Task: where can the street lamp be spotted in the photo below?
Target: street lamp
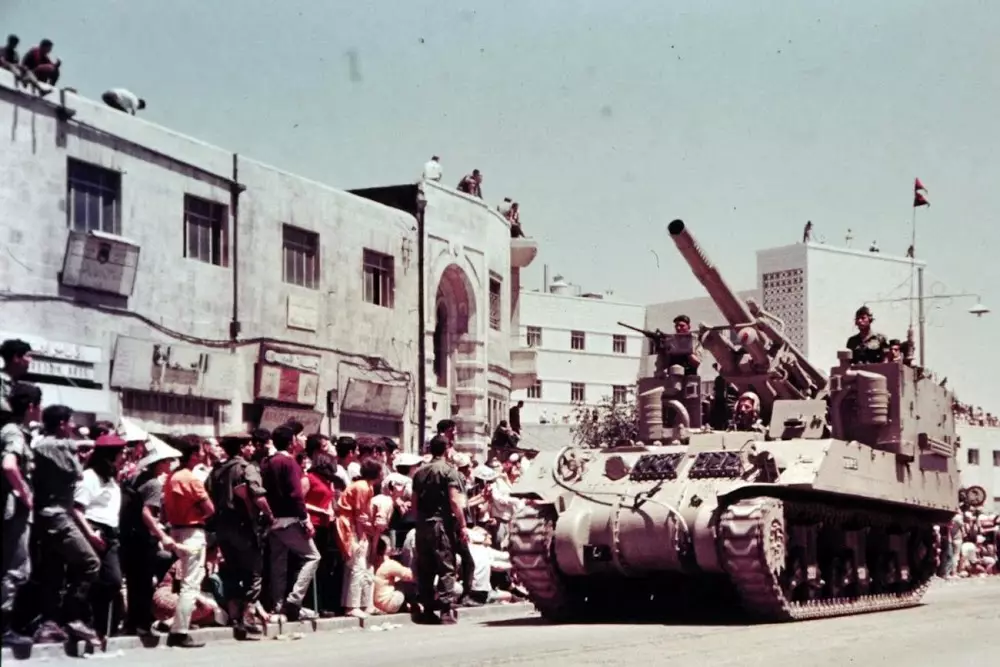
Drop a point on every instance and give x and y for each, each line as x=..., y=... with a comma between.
x=978, y=309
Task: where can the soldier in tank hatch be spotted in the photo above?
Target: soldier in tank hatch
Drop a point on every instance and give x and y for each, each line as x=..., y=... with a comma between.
x=867, y=346
x=690, y=362
x=746, y=416
x=895, y=351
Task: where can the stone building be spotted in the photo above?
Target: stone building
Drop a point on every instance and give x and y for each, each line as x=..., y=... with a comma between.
x=196, y=290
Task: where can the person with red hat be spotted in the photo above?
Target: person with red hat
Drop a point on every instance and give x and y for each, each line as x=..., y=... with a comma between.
x=97, y=503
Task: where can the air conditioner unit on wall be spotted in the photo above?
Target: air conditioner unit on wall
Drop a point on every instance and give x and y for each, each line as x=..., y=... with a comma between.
x=100, y=262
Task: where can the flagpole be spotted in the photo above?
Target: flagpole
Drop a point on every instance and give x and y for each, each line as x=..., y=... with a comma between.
x=913, y=259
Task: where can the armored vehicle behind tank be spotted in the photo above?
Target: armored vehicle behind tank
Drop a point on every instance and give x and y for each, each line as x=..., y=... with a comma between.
x=825, y=508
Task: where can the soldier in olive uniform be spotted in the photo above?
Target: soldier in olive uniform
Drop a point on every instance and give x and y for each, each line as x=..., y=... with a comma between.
x=866, y=346
x=690, y=362
x=440, y=505
x=24, y=401
x=16, y=355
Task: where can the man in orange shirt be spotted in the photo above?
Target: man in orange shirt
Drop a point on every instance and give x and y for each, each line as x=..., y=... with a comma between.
x=187, y=508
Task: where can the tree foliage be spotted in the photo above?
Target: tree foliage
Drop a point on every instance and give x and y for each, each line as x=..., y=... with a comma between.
x=606, y=424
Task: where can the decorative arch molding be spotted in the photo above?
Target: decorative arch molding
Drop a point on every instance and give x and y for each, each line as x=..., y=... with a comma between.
x=456, y=317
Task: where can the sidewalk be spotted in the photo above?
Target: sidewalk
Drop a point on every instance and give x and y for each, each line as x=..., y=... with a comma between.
x=274, y=631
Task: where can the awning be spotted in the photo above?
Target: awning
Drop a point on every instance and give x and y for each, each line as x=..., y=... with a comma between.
x=274, y=416
x=91, y=401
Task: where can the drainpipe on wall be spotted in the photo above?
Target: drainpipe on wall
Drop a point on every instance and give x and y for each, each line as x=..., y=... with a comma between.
x=235, y=190
x=421, y=320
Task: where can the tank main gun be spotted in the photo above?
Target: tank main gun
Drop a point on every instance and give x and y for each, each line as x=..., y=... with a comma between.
x=764, y=361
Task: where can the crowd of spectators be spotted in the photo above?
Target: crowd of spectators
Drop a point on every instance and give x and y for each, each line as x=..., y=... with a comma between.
x=968, y=545
x=110, y=530
x=974, y=415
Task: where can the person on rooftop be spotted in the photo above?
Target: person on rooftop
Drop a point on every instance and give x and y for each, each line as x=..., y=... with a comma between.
x=472, y=184
x=8, y=55
x=432, y=169
x=39, y=66
x=123, y=100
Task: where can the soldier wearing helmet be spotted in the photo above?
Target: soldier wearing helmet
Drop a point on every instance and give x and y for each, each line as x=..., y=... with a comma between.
x=746, y=417
x=867, y=346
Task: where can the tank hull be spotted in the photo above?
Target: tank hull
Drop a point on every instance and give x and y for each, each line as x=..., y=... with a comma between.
x=809, y=543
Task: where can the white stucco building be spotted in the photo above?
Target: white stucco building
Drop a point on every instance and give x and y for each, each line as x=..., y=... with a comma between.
x=583, y=355
x=979, y=461
x=196, y=290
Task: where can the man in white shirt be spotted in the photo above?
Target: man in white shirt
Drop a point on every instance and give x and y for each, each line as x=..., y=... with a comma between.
x=505, y=206
x=123, y=100
x=432, y=170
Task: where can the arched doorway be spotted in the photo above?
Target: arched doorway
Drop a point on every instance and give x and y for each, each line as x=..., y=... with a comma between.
x=454, y=320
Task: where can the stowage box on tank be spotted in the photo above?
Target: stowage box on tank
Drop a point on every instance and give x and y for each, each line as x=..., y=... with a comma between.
x=826, y=509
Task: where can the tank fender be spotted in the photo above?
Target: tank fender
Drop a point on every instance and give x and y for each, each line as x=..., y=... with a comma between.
x=538, y=483
x=704, y=536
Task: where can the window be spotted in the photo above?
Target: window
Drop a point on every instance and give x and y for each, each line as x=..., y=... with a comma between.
x=577, y=392
x=578, y=340
x=93, y=197
x=618, y=344
x=301, y=250
x=973, y=457
x=496, y=301
x=996, y=458
x=535, y=390
x=380, y=278
x=619, y=393
x=534, y=336
x=206, y=230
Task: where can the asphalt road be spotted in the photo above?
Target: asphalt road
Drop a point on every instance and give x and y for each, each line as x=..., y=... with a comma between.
x=959, y=626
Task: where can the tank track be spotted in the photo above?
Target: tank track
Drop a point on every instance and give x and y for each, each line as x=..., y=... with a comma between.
x=531, y=558
x=753, y=544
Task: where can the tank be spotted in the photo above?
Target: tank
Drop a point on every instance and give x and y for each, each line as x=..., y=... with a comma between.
x=824, y=507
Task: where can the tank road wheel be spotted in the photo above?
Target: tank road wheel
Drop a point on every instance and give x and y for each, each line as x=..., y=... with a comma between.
x=533, y=561
x=793, y=561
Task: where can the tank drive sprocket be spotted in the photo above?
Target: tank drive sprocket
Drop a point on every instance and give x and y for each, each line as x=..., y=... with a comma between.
x=532, y=560
x=776, y=582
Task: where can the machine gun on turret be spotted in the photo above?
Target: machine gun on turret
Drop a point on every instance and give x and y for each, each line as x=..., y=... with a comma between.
x=668, y=348
x=764, y=361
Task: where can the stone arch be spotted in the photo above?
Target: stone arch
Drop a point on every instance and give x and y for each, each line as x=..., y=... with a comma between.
x=455, y=318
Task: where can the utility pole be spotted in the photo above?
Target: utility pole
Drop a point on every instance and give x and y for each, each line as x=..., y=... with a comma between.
x=920, y=312
x=421, y=319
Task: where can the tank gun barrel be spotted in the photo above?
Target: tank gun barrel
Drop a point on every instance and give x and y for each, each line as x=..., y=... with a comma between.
x=730, y=305
x=764, y=355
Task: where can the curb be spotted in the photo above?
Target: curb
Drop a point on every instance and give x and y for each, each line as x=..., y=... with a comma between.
x=225, y=635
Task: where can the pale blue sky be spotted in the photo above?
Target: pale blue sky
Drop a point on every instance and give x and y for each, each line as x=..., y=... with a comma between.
x=743, y=118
